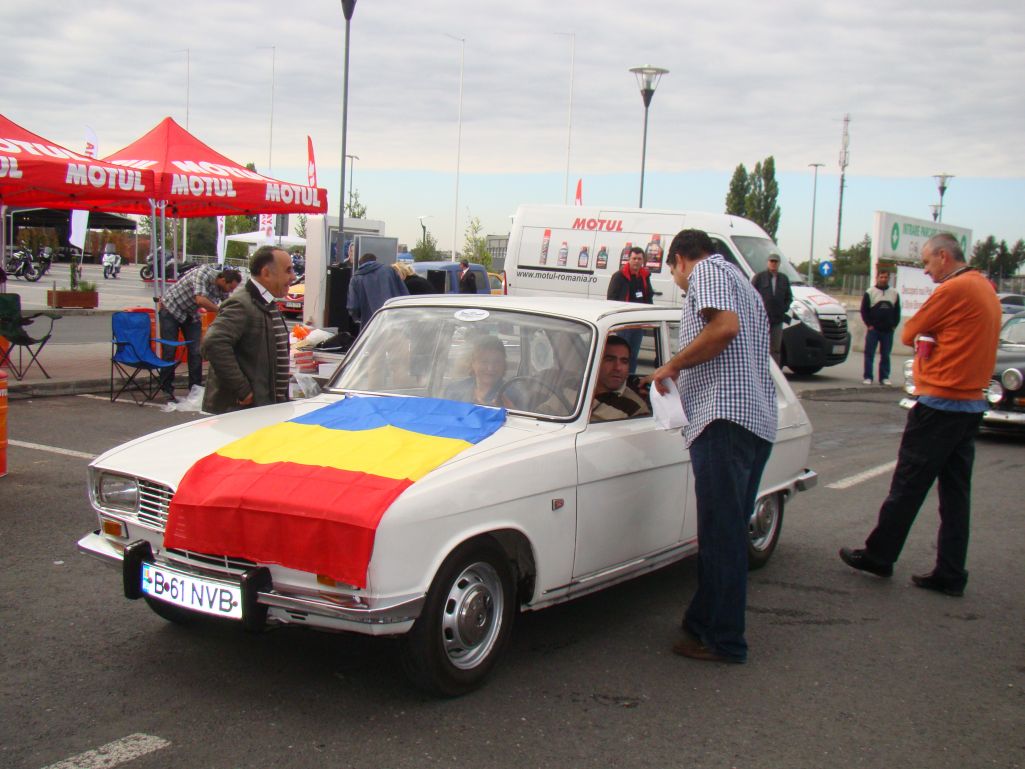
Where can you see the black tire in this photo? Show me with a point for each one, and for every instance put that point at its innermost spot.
(146, 273)
(172, 613)
(106, 272)
(465, 622)
(806, 370)
(763, 530)
(31, 273)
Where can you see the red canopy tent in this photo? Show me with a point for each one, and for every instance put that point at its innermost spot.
(195, 180)
(37, 172)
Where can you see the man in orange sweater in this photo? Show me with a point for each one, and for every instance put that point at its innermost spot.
(963, 317)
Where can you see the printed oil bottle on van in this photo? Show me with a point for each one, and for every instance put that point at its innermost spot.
(654, 254)
(544, 247)
(584, 258)
(603, 259)
(563, 254)
(625, 256)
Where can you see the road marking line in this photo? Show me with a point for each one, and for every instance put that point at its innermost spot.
(113, 753)
(854, 480)
(52, 449)
(105, 398)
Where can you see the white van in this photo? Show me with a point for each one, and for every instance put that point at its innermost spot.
(575, 250)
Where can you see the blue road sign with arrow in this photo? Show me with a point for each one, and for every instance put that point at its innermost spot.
(825, 269)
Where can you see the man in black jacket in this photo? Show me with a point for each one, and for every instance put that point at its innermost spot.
(467, 280)
(777, 297)
(632, 284)
(880, 310)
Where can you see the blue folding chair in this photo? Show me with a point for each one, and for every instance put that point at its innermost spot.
(133, 359)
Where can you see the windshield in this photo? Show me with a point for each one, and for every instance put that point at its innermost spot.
(756, 251)
(523, 362)
(1013, 331)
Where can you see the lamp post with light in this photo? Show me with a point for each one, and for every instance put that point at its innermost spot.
(647, 81)
(348, 7)
(941, 181)
(814, 197)
(352, 184)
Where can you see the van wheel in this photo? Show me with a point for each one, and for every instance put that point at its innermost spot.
(763, 530)
(465, 622)
(806, 370)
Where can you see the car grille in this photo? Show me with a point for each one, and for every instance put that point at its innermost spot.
(154, 499)
(215, 563)
(834, 330)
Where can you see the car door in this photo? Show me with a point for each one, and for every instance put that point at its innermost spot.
(632, 484)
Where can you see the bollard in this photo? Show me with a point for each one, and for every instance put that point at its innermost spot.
(3, 424)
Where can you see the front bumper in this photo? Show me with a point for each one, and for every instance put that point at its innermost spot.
(272, 605)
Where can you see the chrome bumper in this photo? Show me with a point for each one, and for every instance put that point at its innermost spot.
(806, 480)
(365, 615)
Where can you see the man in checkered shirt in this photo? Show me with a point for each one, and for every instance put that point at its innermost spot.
(205, 287)
(729, 398)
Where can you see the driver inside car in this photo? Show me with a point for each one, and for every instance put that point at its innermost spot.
(613, 399)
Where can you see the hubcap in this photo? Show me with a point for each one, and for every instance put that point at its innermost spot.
(763, 523)
(472, 615)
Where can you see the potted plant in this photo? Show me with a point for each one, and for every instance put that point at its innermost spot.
(82, 293)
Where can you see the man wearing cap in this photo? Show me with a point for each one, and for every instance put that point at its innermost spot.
(774, 288)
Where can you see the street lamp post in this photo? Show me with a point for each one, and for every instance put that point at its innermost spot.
(941, 181)
(352, 184)
(647, 81)
(459, 139)
(348, 6)
(935, 211)
(814, 198)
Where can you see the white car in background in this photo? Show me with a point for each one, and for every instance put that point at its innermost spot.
(549, 507)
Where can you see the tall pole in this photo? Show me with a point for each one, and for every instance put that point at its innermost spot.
(644, 153)
(348, 6)
(569, 119)
(814, 198)
(270, 138)
(845, 158)
(459, 141)
(185, 222)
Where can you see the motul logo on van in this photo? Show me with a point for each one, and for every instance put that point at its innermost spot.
(601, 225)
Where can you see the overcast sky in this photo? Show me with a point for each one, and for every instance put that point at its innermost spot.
(930, 87)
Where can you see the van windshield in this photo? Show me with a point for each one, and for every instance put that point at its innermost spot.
(756, 251)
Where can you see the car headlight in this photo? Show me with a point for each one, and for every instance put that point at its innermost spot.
(806, 314)
(995, 393)
(1011, 379)
(118, 492)
(909, 376)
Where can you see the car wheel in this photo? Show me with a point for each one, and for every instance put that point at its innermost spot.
(465, 622)
(170, 612)
(806, 370)
(763, 530)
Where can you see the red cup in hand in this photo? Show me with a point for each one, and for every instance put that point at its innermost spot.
(924, 346)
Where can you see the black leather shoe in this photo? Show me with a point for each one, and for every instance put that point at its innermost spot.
(932, 582)
(862, 561)
(688, 647)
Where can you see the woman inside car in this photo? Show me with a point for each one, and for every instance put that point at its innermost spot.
(487, 375)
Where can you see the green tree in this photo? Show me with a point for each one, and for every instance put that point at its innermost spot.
(475, 246)
(355, 207)
(234, 225)
(763, 192)
(737, 196)
(203, 236)
(300, 225)
(995, 259)
(853, 260)
(426, 250)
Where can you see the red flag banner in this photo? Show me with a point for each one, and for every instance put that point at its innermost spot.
(311, 168)
(309, 493)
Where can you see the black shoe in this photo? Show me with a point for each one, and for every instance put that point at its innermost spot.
(169, 397)
(862, 561)
(932, 582)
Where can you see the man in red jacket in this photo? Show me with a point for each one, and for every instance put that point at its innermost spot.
(961, 325)
(632, 284)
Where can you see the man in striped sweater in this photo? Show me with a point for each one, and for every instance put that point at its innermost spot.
(963, 317)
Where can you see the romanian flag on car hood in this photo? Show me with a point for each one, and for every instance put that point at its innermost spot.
(308, 493)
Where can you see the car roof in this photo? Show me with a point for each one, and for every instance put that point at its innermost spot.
(591, 310)
(446, 265)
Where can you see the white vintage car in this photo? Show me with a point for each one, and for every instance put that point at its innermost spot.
(549, 506)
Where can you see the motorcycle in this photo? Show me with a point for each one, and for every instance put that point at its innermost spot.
(111, 262)
(147, 271)
(20, 265)
(44, 258)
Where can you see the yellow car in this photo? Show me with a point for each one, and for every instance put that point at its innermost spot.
(497, 283)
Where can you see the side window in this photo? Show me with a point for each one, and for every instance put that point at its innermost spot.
(674, 337)
(616, 398)
(725, 250)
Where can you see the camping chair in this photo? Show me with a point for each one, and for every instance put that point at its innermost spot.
(12, 328)
(133, 359)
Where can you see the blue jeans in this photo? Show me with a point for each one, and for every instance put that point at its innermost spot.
(191, 331)
(633, 337)
(884, 339)
(728, 461)
(936, 446)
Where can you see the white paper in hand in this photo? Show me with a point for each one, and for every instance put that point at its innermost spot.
(668, 408)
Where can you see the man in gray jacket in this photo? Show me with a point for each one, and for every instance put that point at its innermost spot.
(247, 344)
(371, 286)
